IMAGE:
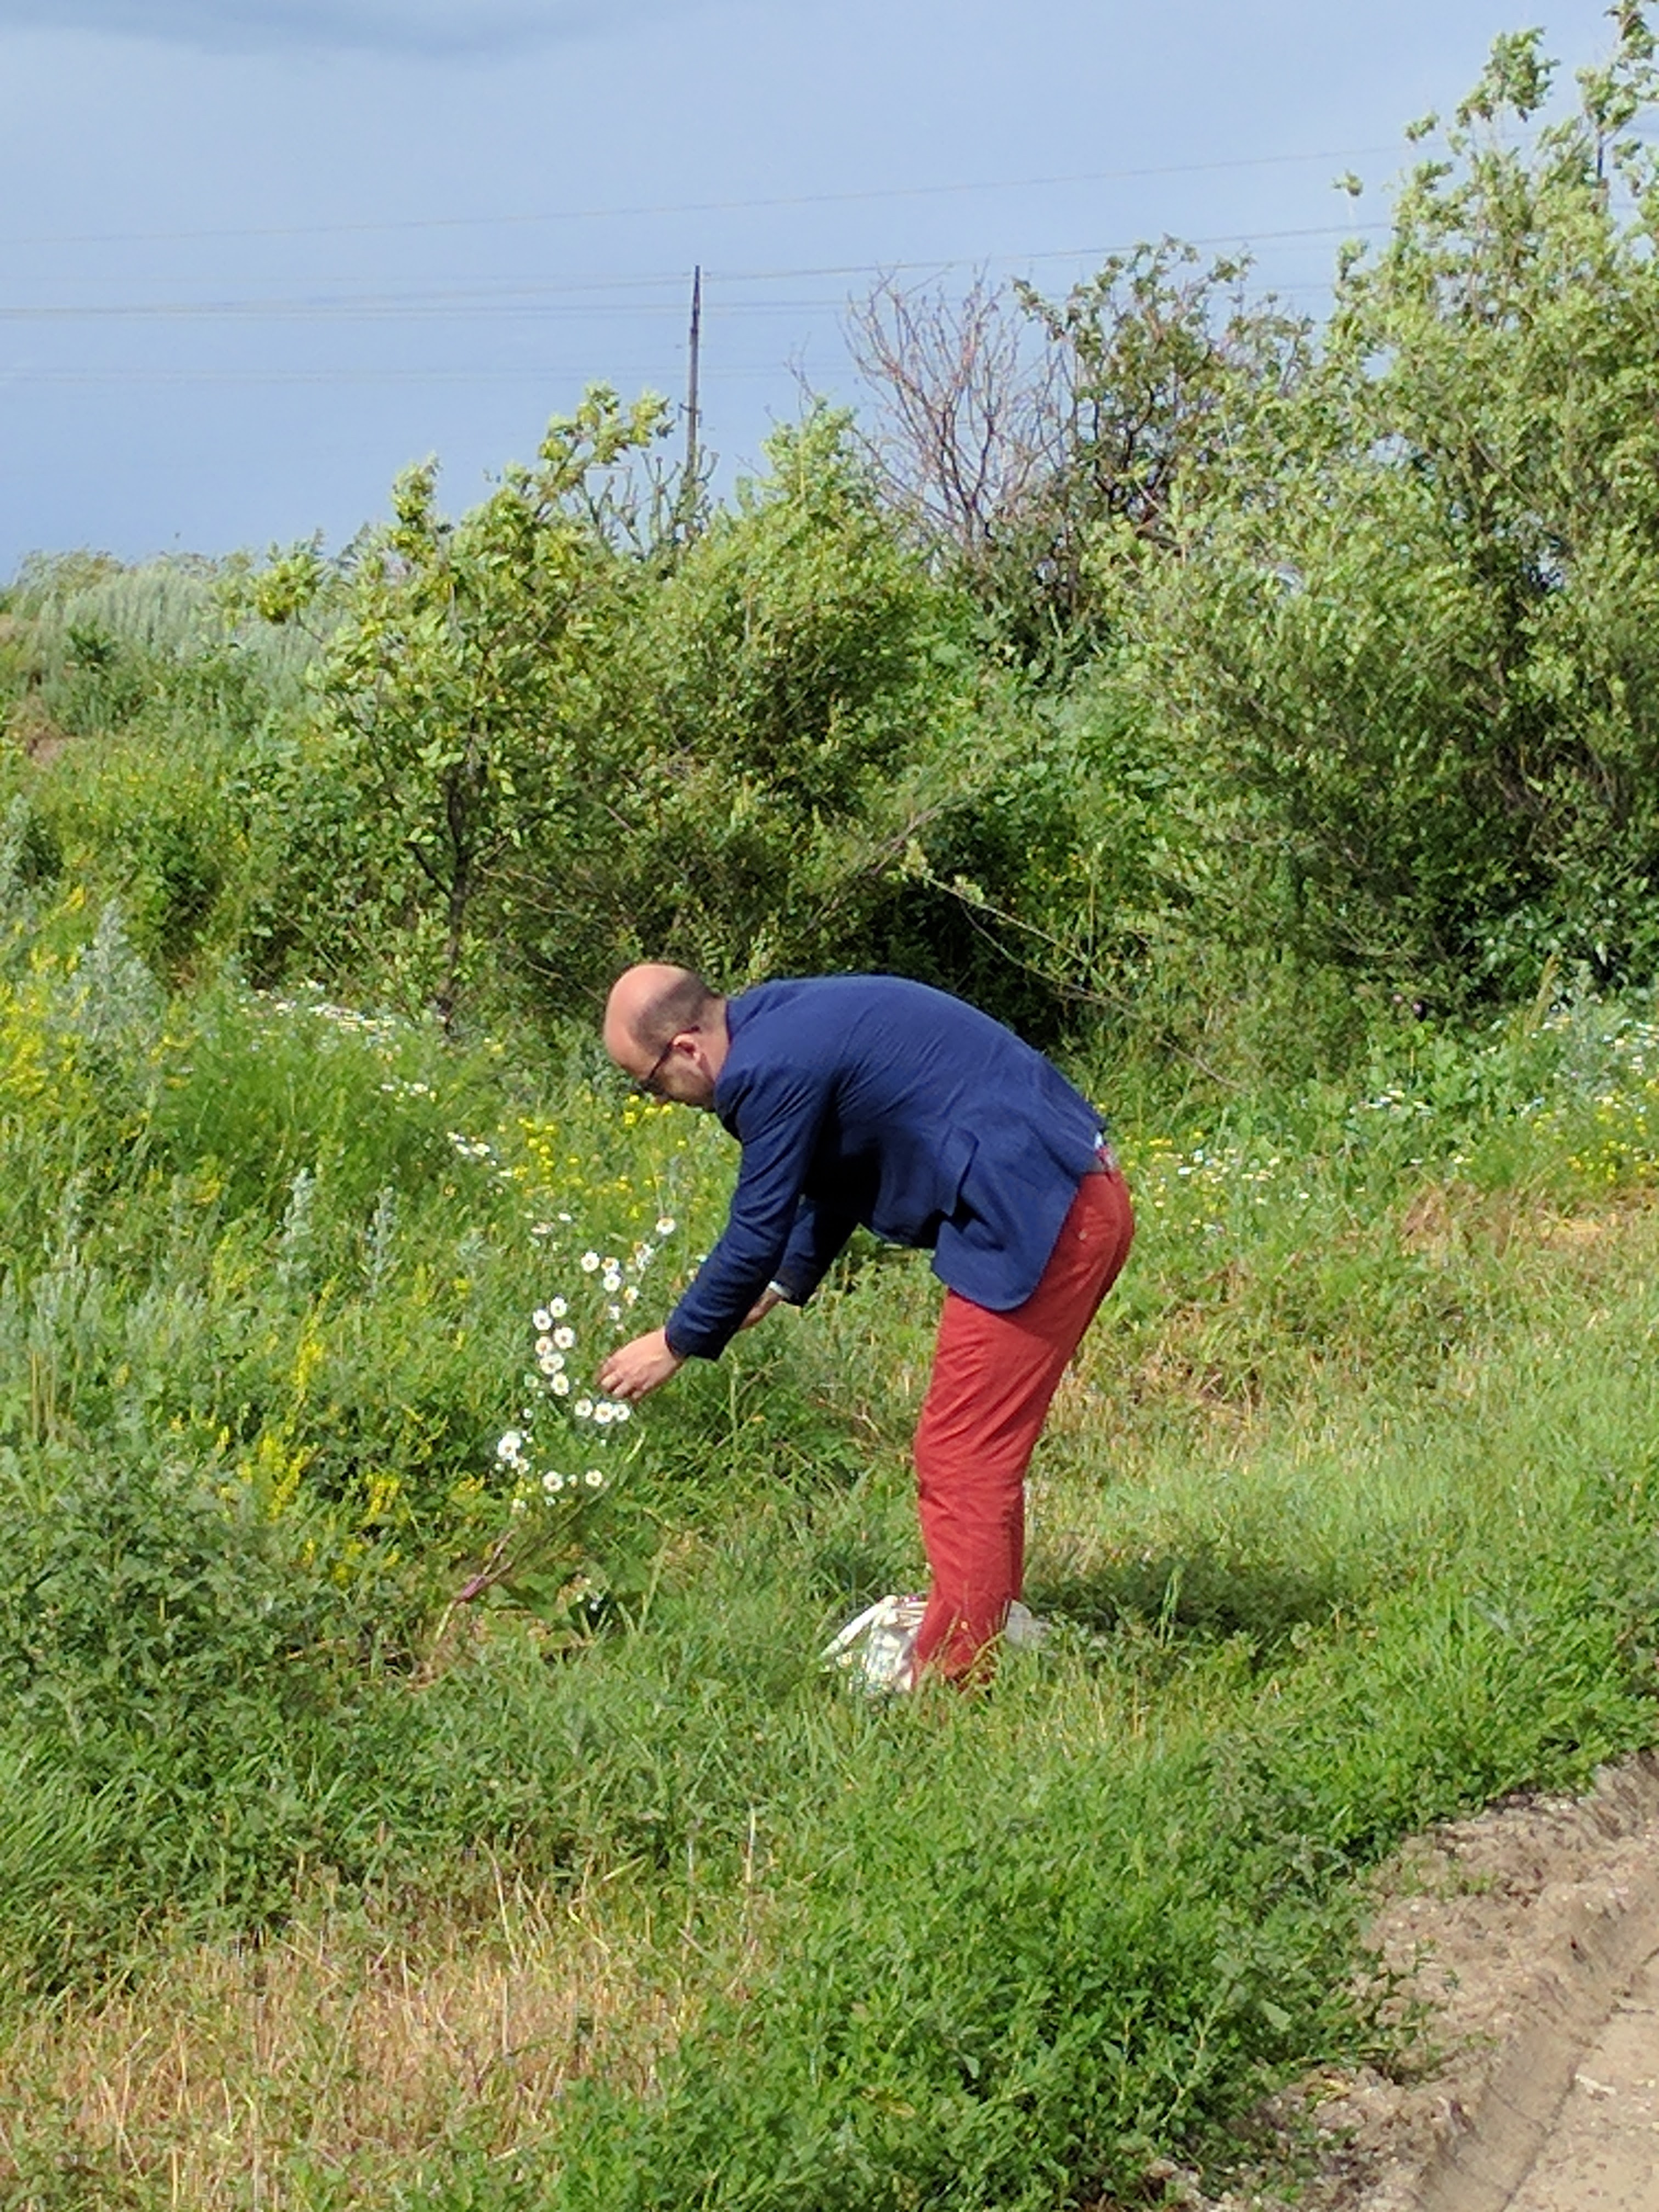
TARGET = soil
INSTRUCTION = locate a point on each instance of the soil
(1527, 1946)
(32, 728)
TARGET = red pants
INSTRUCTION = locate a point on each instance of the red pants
(994, 1375)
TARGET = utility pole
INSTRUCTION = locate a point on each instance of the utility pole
(688, 487)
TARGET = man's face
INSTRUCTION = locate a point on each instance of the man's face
(680, 1072)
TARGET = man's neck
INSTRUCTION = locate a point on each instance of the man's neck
(717, 1038)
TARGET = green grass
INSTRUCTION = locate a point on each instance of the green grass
(1346, 1521)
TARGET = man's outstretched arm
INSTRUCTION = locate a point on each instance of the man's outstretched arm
(778, 1123)
(634, 1371)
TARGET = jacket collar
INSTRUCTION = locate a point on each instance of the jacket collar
(728, 1082)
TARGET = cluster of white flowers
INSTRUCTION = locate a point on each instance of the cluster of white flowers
(512, 1452)
(1214, 1176)
(557, 1341)
(1393, 1101)
(618, 1279)
(471, 1148)
(383, 1030)
(553, 1482)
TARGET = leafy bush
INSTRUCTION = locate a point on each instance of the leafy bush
(1408, 658)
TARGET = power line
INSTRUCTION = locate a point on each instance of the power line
(695, 207)
(541, 299)
(11, 378)
(438, 305)
(1246, 239)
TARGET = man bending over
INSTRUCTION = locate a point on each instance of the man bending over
(868, 1099)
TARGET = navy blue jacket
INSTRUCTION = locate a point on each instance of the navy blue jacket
(867, 1099)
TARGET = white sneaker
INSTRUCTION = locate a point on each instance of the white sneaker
(878, 1647)
(1023, 1630)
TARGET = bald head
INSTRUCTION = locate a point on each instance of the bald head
(654, 1002)
(665, 1027)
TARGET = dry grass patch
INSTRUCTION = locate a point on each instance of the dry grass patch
(32, 727)
(1446, 1219)
(327, 2051)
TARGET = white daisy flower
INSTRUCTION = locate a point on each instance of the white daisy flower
(542, 1320)
(560, 1386)
(666, 1226)
(602, 1416)
(564, 1338)
(624, 1412)
(583, 1409)
(544, 1345)
(589, 1262)
(510, 1447)
(551, 1363)
(556, 1309)
(552, 1483)
(594, 1478)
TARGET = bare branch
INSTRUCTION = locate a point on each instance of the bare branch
(971, 421)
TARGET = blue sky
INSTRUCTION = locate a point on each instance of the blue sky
(260, 254)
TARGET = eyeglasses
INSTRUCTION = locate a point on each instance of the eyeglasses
(646, 1084)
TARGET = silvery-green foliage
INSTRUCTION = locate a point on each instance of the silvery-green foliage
(15, 902)
(165, 610)
(296, 1241)
(162, 608)
(378, 1240)
(114, 1001)
(65, 1310)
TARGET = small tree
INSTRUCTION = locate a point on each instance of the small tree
(1412, 642)
(1014, 449)
(798, 710)
(464, 671)
(971, 413)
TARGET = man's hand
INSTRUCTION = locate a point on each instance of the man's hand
(634, 1371)
(762, 1306)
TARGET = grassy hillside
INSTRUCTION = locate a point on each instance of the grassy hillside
(326, 1885)
(417, 1783)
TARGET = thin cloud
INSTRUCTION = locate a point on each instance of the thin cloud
(416, 27)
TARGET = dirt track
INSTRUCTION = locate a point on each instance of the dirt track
(1530, 1939)
(1604, 2148)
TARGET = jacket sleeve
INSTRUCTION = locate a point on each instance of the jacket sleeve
(777, 1124)
(822, 1228)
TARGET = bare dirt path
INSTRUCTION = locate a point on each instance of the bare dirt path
(1604, 2148)
(1527, 1940)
